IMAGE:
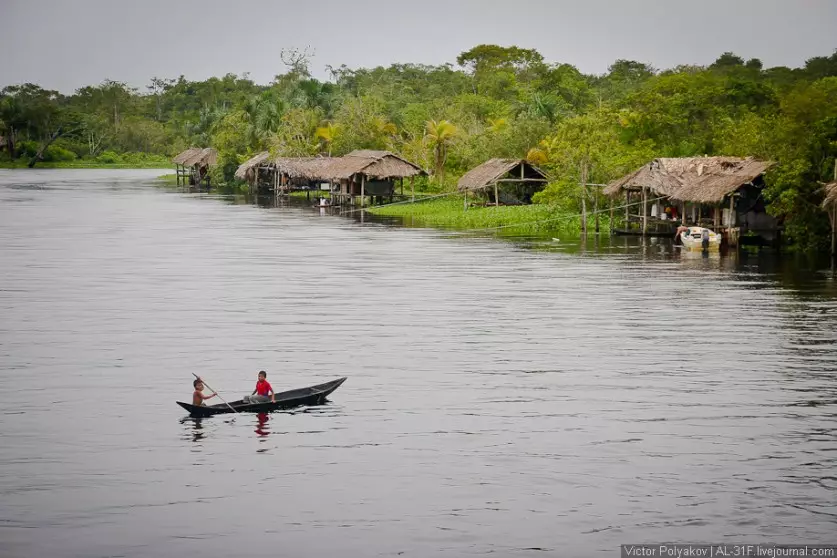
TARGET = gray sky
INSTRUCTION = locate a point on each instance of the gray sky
(64, 44)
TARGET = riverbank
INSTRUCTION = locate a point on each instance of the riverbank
(105, 161)
(449, 213)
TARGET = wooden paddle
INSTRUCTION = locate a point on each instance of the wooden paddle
(213, 391)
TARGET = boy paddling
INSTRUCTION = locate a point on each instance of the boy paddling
(263, 389)
(198, 397)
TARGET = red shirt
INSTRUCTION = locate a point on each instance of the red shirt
(263, 387)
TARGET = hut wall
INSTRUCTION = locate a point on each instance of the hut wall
(379, 188)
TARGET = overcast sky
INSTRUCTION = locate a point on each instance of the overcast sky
(64, 44)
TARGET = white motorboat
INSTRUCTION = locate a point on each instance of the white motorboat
(692, 239)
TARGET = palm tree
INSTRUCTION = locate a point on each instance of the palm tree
(497, 125)
(439, 135)
(328, 134)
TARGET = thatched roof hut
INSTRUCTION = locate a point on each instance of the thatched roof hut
(197, 157)
(691, 179)
(245, 170)
(496, 171)
(379, 165)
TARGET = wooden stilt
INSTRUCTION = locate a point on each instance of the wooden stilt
(627, 208)
(362, 189)
(584, 199)
(644, 210)
(611, 216)
(732, 215)
(834, 234)
(496, 195)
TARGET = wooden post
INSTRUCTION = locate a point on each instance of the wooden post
(715, 215)
(644, 210)
(627, 208)
(596, 207)
(834, 235)
(683, 214)
(466, 200)
(402, 185)
(584, 199)
(362, 189)
(732, 215)
(496, 196)
(834, 228)
(611, 216)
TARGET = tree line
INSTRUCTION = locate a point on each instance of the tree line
(493, 102)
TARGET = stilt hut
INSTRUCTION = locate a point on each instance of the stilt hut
(360, 173)
(252, 173)
(506, 181)
(192, 166)
(367, 173)
(721, 193)
(283, 174)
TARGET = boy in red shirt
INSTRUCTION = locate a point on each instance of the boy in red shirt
(263, 388)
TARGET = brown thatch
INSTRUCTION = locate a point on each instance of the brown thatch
(245, 170)
(692, 179)
(306, 168)
(186, 155)
(373, 164)
(830, 200)
(380, 165)
(492, 170)
(197, 157)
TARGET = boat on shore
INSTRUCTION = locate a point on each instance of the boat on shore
(314, 395)
(692, 239)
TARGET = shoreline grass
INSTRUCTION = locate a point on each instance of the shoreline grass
(82, 165)
(449, 213)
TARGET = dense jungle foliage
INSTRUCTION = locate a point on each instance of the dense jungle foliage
(493, 102)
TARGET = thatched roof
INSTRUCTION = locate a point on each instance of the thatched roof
(495, 169)
(195, 156)
(244, 170)
(307, 168)
(692, 179)
(374, 164)
(830, 195)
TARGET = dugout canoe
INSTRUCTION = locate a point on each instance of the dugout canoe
(314, 395)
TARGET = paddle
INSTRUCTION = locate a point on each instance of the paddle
(213, 391)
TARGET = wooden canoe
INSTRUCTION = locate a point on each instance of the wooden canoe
(314, 395)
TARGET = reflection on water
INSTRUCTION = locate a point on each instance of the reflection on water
(505, 392)
(194, 428)
(262, 428)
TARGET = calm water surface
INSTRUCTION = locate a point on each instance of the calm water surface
(514, 397)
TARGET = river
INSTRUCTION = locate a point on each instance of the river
(505, 396)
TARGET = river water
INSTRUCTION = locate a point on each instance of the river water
(505, 396)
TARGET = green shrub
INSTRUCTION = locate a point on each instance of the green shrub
(56, 153)
(109, 157)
